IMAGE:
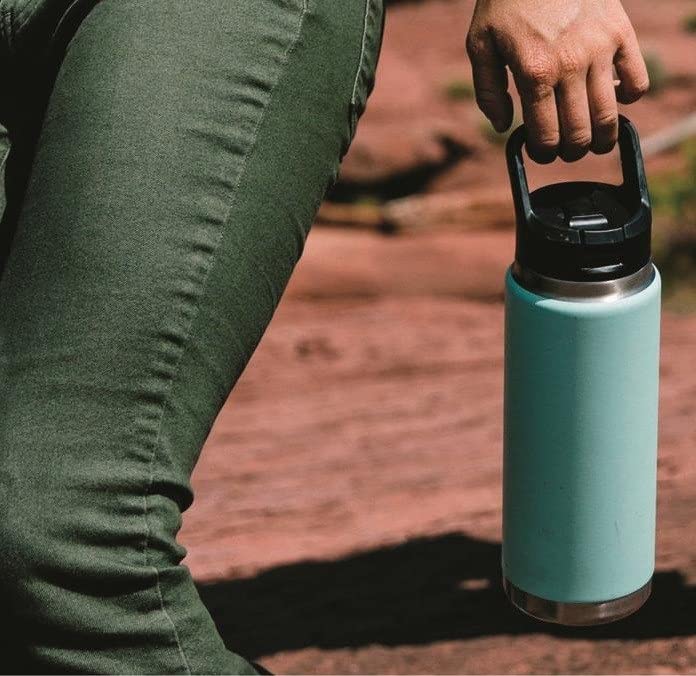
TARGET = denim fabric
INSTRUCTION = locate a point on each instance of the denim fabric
(167, 160)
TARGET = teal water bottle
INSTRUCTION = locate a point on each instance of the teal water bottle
(582, 333)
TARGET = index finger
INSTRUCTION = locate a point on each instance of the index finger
(631, 69)
(490, 82)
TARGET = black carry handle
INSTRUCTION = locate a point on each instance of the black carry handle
(633, 169)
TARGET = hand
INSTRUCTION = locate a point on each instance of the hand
(561, 54)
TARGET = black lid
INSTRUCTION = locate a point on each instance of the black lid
(583, 231)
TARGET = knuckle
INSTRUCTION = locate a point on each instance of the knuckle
(538, 74)
(622, 29)
(547, 140)
(579, 138)
(538, 92)
(606, 120)
(570, 63)
(612, 36)
(617, 33)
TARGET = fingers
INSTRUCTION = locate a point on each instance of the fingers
(574, 117)
(631, 69)
(541, 119)
(603, 108)
(562, 59)
(569, 109)
(490, 81)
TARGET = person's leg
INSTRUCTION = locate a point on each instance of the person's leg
(183, 154)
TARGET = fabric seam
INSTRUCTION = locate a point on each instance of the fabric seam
(252, 146)
(72, 12)
(363, 49)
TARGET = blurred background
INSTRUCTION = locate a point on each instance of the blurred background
(348, 501)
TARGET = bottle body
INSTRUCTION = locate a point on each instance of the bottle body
(580, 447)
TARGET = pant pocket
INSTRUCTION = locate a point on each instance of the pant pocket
(373, 33)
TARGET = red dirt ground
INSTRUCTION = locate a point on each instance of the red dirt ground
(348, 502)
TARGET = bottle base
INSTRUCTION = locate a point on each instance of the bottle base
(576, 614)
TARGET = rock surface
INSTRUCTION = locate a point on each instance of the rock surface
(348, 499)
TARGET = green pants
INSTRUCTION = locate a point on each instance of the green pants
(167, 159)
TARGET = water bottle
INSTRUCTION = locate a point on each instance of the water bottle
(582, 332)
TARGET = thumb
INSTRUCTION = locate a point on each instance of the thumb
(490, 80)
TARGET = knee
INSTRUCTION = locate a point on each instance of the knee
(60, 539)
(81, 592)
(51, 547)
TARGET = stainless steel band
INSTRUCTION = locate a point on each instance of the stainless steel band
(576, 614)
(610, 290)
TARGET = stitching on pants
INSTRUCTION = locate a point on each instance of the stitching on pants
(70, 21)
(363, 48)
(245, 160)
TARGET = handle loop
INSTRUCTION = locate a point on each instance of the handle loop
(632, 167)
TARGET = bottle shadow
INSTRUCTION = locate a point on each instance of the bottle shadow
(428, 589)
